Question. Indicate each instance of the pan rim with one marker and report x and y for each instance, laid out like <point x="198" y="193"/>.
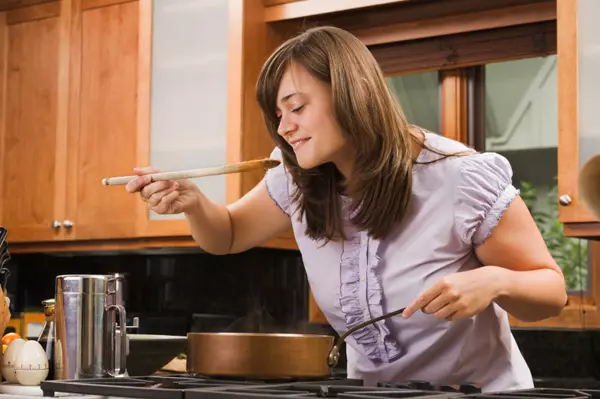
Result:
<point x="261" y="335"/>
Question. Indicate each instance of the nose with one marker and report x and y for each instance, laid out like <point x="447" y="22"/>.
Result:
<point x="286" y="126"/>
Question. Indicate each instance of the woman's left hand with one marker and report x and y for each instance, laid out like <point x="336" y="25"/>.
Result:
<point x="460" y="295"/>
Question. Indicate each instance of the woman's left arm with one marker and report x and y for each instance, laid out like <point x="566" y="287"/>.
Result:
<point x="518" y="272"/>
<point x="530" y="285"/>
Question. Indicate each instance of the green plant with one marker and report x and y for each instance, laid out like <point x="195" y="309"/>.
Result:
<point x="571" y="254"/>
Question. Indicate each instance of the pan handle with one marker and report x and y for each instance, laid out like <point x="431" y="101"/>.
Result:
<point x="334" y="353"/>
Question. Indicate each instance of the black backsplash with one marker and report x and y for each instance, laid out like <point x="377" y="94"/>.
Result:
<point x="261" y="290"/>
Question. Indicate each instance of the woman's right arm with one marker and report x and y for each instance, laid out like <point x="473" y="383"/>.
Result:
<point x="218" y="229"/>
<point x="249" y="222"/>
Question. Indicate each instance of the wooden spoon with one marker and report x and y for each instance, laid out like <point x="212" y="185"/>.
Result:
<point x="191" y="173"/>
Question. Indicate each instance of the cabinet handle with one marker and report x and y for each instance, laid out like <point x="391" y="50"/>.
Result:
<point x="56" y="225"/>
<point x="68" y="224"/>
<point x="564" y="200"/>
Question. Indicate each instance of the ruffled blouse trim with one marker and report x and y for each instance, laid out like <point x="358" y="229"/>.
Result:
<point x="376" y="339"/>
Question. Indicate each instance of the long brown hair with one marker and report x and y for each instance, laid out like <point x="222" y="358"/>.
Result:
<point x="366" y="110"/>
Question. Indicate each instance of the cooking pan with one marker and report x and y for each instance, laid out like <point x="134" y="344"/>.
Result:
<point x="266" y="355"/>
<point x="258" y="355"/>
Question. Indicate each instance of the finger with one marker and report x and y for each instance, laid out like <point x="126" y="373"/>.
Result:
<point x="153" y="188"/>
<point x="448" y="312"/>
<point x="447" y="297"/>
<point x="166" y="205"/>
<point x="137" y="184"/>
<point x="145" y="170"/>
<point x="437" y="303"/>
<point x="157" y="197"/>
<point x="422" y="300"/>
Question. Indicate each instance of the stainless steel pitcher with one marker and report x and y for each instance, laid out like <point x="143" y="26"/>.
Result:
<point x="91" y="338"/>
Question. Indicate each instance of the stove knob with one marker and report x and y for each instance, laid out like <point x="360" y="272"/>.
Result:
<point x="448" y="388"/>
<point x="323" y="392"/>
<point x="395" y="384"/>
<point x="421" y="385"/>
<point x="470" y="388"/>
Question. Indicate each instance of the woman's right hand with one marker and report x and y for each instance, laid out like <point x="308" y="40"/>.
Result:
<point x="165" y="197"/>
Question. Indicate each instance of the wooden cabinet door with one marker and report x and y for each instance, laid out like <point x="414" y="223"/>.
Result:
<point x="187" y="76"/>
<point x="32" y="135"/>
<point x="103" y="139"/>
<point x="578" y="86"/>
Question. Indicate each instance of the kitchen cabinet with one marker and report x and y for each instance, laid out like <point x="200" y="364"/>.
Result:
<point x="103" y="117"/>
<point x="197" y="103"/>
<point x="116" y="84"/>
<point x="70" y="117"/>
<point x="578" y="85"/>
<point x="186" y="124"/>
<point x="32" y="150"/>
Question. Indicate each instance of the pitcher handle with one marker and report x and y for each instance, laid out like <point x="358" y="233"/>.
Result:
<point x="123" y="337"/>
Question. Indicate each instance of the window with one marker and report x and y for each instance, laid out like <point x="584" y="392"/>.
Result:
<point x="519" y="115"/>
<point x="418" y="95"/>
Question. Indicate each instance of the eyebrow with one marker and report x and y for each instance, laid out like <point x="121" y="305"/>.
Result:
<point x="287" y="97"/>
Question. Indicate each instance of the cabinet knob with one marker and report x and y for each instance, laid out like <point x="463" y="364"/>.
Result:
<point x="564" y="200"/>
<point x="68" y="224"/>
<point x="56" y="225"/>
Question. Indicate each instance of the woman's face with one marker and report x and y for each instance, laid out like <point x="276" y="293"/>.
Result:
<point x="307" y="122"/>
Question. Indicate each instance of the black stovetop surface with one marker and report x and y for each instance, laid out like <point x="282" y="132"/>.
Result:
<point x="184" y="386"/>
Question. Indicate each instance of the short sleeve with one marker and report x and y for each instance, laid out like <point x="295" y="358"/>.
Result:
<point x="483" y="191"/>
<point x="277" y="182"/>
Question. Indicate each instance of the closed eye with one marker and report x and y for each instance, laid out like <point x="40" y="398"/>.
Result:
<point x="295" y="110"/>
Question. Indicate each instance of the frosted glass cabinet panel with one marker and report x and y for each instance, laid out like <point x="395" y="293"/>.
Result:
<point x="189" y="90"/>
<point x="588" y="44"/>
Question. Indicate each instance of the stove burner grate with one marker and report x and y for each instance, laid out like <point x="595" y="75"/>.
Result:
<point x="164" y="387"/>
<point x="187" y="386"/>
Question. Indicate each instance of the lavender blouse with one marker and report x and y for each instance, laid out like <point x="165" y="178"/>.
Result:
<point x="455" y="204"/>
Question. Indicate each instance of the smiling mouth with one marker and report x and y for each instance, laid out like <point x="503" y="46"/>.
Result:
<point x="298" y="143"/>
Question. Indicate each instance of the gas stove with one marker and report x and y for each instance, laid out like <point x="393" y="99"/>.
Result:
<point x="185" y="386"/>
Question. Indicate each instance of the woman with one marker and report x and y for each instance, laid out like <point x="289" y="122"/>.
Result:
<point x="386" y="215"/>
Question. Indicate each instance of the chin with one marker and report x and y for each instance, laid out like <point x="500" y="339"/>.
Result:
<point x="307" y="165"/>
<point x="307" y="162"/>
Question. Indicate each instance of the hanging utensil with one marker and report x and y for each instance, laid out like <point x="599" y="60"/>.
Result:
<point x="334" y="353"/>
<point x="192" y="173"/>
<point x="4" y="258"/>
<point x="3" y="234"/>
